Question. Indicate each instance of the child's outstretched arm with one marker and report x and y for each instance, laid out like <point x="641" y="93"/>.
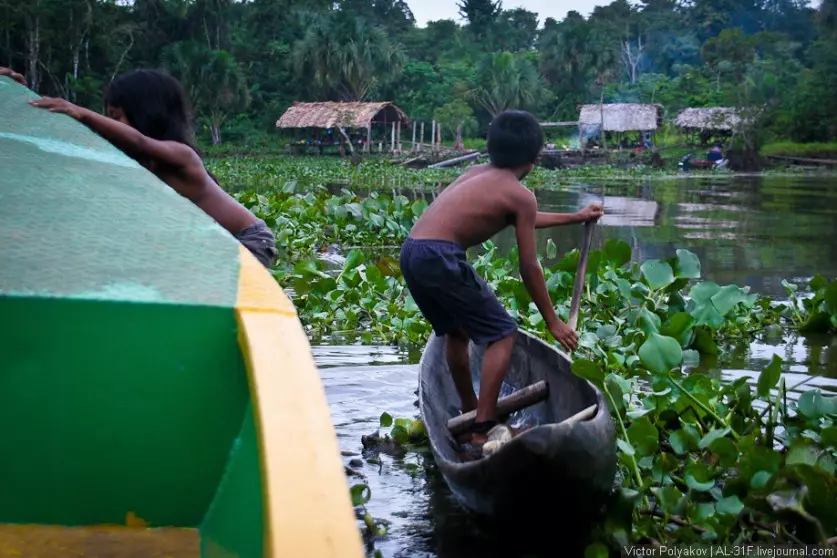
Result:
<point x="124" y="137"/>
<point x="8" y="72"/>
<point x="532" y="274"/>
<point x="545" y="220"/>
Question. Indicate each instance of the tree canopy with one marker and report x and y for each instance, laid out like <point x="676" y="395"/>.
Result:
<point x="245" y="62"/>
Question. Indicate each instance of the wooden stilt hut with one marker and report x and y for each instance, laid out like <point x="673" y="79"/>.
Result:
<point x="618" y="118"/>
<point x="703" y="124"/>
<point x="343" y="118"/>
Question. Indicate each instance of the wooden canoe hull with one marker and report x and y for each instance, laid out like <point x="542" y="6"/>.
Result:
<point x="571" y="464"/>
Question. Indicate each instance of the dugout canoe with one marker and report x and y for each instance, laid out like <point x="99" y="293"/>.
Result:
<point x="568" y="469"/>
<point x="158" y="396"/>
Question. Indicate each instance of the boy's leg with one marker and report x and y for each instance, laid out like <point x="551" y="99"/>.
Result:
<point x="459" y="362"/>
<point x="495" y="365"/>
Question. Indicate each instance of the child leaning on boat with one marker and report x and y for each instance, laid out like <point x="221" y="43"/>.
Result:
<point x="452" y="297"/>
<point x="148" y="119"/>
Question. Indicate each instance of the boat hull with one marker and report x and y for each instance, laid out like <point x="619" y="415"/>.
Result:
<point x="572" y="464"/>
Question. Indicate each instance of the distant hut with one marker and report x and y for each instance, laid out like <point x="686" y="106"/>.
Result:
<point x="344" y="118"/>
<point x="619" y="118"/>
<point x="710" y="122"/>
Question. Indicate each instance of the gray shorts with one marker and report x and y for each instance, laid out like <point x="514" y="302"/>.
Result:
<point x="259" y="239"/>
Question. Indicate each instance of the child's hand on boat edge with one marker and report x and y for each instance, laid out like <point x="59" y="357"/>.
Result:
<point x="565" y="335"/>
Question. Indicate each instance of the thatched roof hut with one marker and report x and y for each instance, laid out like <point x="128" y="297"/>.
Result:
<point x="340" y="115"/>
<point x="722" y="119"/>
<point x="622" y="117"/>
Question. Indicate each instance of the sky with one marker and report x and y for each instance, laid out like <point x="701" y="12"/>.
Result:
<point x="431" y="10"/>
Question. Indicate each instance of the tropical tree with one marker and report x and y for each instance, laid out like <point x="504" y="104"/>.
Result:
<point x="211" y="78"/>
<point x="344" y="56"/>
<point x="504" y="81"/>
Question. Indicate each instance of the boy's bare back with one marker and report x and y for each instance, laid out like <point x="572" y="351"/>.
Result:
<point x="475" y="207"/>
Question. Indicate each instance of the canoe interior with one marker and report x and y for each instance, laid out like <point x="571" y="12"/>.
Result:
<point x="531" y="362"/>
<point x="544" y="465"/>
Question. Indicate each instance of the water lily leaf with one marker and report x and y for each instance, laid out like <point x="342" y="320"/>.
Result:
<point x="617" y="252"/>
<point x="551" y="249"/>
<point x="829" y="437"/>
<point x="802" y="455"/>
<point x="727" y="298"/>
<point x="679" y="326"/>
<point x="643" y="436"/>
<point x="706" y="314"/>
<point x="698" y="477"/>
<point x="704" y="342"/>
<point x="625" y="446"/>
<point x="731" y="505"/>
<point x="606" y="331"/>
<point x="831" y="298"/>
<point x="760" y="480"/>
<point x="660" y="353"/>
<point x="353" y="259"/>
<point x="702" y="293"/>
<point x="770" y="376"/>
<point x="615" y="389"/>
<point x="658" y="274"/>
<point x="688" y="265"/>
<point x="419" y="207"/>
<point x="400" y="434"/>
<point x="589" y="370"/>
<point x="361" y="493"/>
<point x="670" y="499"/>
<point x="388" y="266"/>
<point x="649" y="322"/>
<point x="386" y="420"/>
<point x="726" y="451"/>
<point x="681" y="442"/>
<point x="817" y="282"/>
<point x="711" y="436"/>
<point x="809" y="403"/>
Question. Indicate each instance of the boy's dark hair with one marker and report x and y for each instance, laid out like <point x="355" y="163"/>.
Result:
<point x="515" y="139"/>
<point x="155" y="104"/>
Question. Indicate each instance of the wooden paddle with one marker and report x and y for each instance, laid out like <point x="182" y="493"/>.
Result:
<point x="580" y="273"/>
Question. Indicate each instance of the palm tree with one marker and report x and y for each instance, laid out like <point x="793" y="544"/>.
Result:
<point x="507" y="81"/>
<point x="344" y="56"/>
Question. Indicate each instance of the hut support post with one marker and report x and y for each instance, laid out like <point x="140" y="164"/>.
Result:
<point x="392" y="139"/>
<point x="398" y="133"/>
<point x="421" y="141"/>
<point x="414" y="136"/>
<point x="433" y="136"/>
<point x="369" y="137"/>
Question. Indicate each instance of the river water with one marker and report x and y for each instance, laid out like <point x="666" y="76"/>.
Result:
<point x="748" y="231"/>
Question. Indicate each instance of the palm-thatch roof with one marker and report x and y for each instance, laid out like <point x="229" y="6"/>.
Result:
<point x="340" y="115"/>
<point x="622" y="117"/>
<point x="712" y="118"/>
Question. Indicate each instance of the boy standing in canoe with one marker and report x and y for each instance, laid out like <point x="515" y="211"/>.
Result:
<point x="459" y="304"/>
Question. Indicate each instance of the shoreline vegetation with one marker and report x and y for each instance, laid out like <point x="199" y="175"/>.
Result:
<point x="701" y="460"/>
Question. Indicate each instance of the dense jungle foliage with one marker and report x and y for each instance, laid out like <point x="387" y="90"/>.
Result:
<point x="244" y="62"/>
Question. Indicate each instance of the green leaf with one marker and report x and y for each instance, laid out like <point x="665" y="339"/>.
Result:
<point x="643" y="436"/>
<point x="400" y="434"/>
<point x="596" y="550"/>
<point x="706" y="314"/>
<point x="702" y="293"/>
<point x="679" y="326"/>
<point x="726" y="451"/>
<point x="831" y="298"/>
<point x="704" y="343"/>
<point x="589" y="370"/>
<point x="691" y="358"/>
<point x="727" y="298"/>
<point x="802" y="455"/>
<point x="698" y="477"/>
<point x="614" y="387"/>
<point x="680" y="441"/>
<point x="711" y="436"/>
<point x="551" y="249"/>
<point x="731" y="505"/>
<point x="386" y="420"/>
<point x="419" y="207"/>
<point x="770" y="376"/>
<point x="361" y="494"/>
<point x="670" y="499"/>
<point x="760" y="480"/>
<point x="817" y="282"/>
<point x="658" y="274"/>
<point x="353" y="259"/>
<point x="617" y="252"/>
<point x="660" y="353"/>
<point x="649" y="322"/>
<point x="626" y="447"/>
<point x="829" y="436"/>
<point x="809" y="403"/>
<point x="688" y="265"/>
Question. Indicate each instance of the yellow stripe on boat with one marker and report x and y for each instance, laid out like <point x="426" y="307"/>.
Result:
<point x="307" y="508"/>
